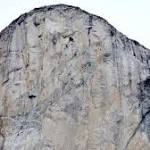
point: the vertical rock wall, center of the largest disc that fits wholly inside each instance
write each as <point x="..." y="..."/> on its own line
<point x="71" y="81"/>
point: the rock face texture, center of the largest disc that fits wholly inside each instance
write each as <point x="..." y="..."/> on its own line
<point x="71" y="81"/>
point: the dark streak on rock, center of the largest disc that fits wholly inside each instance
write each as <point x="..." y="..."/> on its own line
<point x="36" y="23"/>
<point x="89" y="30"/>
<point x="54" y="40"/>
<point x="27" y="65"/>
<point x="144" y="104"/>
<point x="75" y="54"/>
<point x="15" y="70"/>
<point x="40" y="36"/>
<point x="2" y="134"/>
<point x="5" y="81"/>
<point x="66" y="46"/>
<point x="112" y="31"/>
<point x="32" y="96"/>
<point x="71" y="39"/>
<point x="135" y="55"/>
<point x="135" y="42"/>
<point x="90" y="27"/>
<point x="90" y="24"/>
<point x="21" y="19"/>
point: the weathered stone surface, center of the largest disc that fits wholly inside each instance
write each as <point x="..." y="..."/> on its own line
<point x="71" y="81"/>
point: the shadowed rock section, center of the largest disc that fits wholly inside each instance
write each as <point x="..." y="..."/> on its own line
<point x="144" y="98"/>
<point x="70" y="81"/>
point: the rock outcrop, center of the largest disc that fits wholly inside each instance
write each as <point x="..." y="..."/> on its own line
<point x="70" y="81"/>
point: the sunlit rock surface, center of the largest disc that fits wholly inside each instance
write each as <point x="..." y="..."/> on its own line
<point x="71" y="81"/>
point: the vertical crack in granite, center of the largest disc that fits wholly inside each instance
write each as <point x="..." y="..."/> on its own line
<point x="90" y="28"/>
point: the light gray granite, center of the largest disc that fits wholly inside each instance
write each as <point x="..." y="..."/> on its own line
<point x="70" y="81"/>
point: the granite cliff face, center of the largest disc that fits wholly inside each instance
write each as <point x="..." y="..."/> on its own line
<point x="71" y="81"/>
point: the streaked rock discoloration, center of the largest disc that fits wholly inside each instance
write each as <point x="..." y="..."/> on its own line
<point x="71" y="81"/>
